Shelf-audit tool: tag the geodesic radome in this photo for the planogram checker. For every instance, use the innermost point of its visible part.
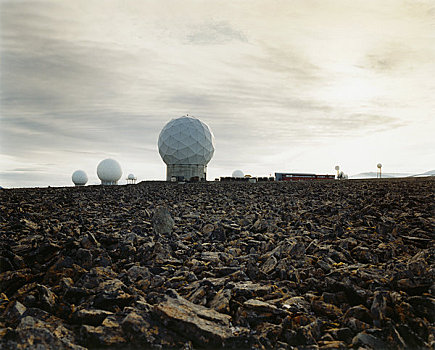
(186, 140)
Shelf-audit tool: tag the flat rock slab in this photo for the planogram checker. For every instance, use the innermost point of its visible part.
(198, 323)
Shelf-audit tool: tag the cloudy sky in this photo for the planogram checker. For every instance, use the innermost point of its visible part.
(284, 85)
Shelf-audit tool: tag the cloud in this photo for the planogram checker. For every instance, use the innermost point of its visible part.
(215, 33)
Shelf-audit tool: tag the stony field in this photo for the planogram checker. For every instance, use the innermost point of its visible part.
(307, 265)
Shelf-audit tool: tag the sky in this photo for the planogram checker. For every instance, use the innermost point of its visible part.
(285, 86)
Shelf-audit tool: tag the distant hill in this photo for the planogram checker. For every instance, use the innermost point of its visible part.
(373, 175)
(427, 173)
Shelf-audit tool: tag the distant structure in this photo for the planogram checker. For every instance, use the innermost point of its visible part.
(380, 169)
(342, 176)
(237, 173)
(79, 178)
(109, 171)
(131, 179)
(337, 168)
(301, 177)
(186, 145)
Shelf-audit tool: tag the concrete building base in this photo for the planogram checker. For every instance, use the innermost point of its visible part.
(186, 171)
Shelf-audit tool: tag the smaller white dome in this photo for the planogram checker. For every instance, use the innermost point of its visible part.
(238, 173)
(130, 177)
(79, 178)
(109, 171)
(337, 168)
(379, 165)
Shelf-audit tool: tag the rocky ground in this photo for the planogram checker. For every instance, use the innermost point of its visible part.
(308, 265)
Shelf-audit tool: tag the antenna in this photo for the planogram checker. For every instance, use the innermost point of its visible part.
(338, 169)
(380, 170)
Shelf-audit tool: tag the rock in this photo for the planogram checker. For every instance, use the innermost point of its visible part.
(221, 301)
(138, 328)
(111, 295)
(269, 265)
(378, 308)
(108, 334)
(248, 289)
(93, 317)
(261, 306)
(137, 273)
(32, 331)
(200, 324)
(46, 298)
(424, 306)
(162, 221)
(368, 340)
(296, 305)
(86, 243)
(14, 312)
(255, 311)
(325, 309)
(359, 312)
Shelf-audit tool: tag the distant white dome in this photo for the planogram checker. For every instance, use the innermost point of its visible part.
(109, 171)
(337, 168)
(238, 173)
(186, 141)
(379, 165)
(79, 178)
(130, 177)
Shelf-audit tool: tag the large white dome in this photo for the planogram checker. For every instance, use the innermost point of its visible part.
(238, 173)
(79, 178)
(187, 141)
(109, 171)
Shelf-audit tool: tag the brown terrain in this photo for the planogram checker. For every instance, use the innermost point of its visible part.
(307, 265)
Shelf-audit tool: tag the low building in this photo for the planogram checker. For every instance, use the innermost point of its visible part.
(301, 177)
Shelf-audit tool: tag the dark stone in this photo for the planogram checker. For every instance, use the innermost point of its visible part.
(162, 221)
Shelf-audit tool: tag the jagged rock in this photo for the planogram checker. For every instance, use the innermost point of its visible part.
(325, 309)
(359, 312)
(248, 289)
(136, 326)
(162, 221)
(32, 331)
(379, 307)
(92, 317)
(296, 305)
(14, 312)
(46, 298)
(269, 265)
(112, 294)
(200, 324)
(221, 301)
(368, 340)
(108, 334)
(138, 272)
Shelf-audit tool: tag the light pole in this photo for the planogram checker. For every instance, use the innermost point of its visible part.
(380, 169)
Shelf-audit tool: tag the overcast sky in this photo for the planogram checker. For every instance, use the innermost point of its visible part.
(284, 85)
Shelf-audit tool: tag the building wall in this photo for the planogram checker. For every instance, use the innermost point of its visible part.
(187, 171)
